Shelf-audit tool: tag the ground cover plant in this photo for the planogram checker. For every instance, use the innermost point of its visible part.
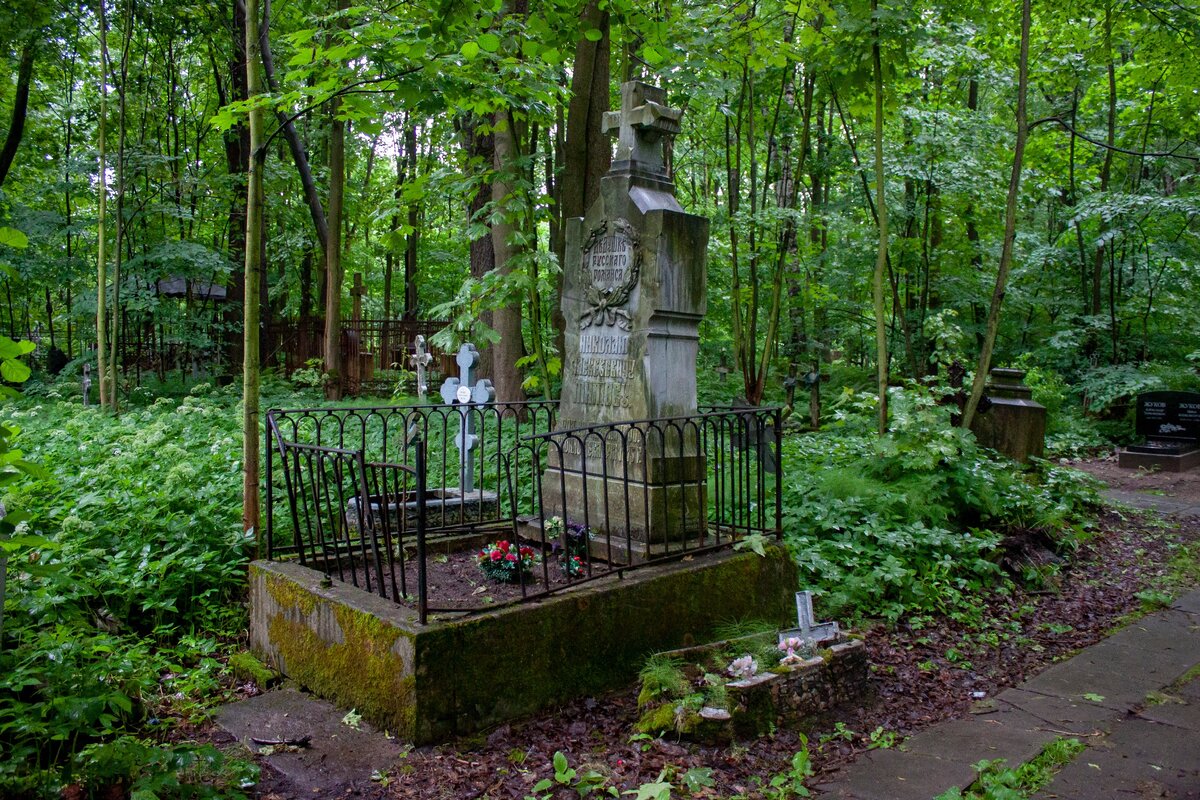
(125, 596)
(124, 614)
(922, 519)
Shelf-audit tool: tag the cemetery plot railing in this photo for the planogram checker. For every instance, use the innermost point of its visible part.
(387, 435)
(340, 507)
(613, 498)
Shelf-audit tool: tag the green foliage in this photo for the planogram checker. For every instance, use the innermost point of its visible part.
(131, 546)
(149, 770)
(913, 520)
(662, 676)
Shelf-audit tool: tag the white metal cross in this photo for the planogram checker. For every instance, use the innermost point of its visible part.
(420, 360)
(466, 392)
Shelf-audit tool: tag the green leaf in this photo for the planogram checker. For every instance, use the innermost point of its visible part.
(652, 55)
(469, 49)
(14, 371)
(1092, 697)
(593, 34)
(13, 238)
(489, 42)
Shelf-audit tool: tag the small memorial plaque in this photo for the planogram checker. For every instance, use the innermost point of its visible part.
(1169, 415)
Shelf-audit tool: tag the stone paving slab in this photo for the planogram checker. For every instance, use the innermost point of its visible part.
(337, 754)
(1163, 505)
(1059, 715)
(1153, 754)
(1011, 734)
(1115, 688)
(895, 775)
(1189, 603)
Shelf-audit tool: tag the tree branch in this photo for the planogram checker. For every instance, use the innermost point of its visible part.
(1144, 154)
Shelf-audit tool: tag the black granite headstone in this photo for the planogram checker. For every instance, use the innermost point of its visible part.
(1174, 416)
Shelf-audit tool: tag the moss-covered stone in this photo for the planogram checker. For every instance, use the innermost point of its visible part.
(656, 720)
(448, 678)
(246, 667)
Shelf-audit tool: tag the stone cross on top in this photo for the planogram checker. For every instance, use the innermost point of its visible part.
(809, 631)
(464, 392)
(420, 360)
(641, 123)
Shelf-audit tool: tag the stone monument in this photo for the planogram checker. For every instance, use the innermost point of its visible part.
(1012, 422)
(634, 292)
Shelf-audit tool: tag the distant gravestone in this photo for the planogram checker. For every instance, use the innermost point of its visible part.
(634, 294)
(1011, 421)
(1169, 422)
(420, 361)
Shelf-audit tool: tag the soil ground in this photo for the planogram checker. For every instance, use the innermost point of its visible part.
(926, 669)
(1183, 486)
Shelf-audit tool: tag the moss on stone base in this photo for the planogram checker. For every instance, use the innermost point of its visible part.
(246, 667)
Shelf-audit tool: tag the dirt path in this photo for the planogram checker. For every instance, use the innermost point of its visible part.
(1181, 486)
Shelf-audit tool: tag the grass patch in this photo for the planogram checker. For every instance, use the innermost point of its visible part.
(997, 781)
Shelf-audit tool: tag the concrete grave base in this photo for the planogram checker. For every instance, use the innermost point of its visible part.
(1130, 458)
(428, 683)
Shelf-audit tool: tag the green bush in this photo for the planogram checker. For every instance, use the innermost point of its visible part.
(913, 520)
(126, 573)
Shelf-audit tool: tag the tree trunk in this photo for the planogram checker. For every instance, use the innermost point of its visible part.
(881, 347)
(333, 252)
(114, 357)
(506, 321)
(299, 154)
(101, 220)
(251, 367)
(16, 128)
(410, 248)
(481, 148)
(587, 153)
(1010, 226)
(237, 164)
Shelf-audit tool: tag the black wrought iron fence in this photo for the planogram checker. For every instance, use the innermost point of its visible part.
(387, 434)
(570, 506)
(629, 494)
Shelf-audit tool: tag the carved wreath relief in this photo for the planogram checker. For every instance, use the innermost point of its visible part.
(611, 262)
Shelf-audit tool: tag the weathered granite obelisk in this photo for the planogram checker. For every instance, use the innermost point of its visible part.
(633, 296)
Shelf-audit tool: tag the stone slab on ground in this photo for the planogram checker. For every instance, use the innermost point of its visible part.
(1007, 733)
(1189, 604)
(337, 755)
(1143, 757)
(1060, 715)
(894, 775)
(1163, 505)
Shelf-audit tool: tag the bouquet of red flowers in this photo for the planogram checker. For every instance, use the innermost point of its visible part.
(573, 566)
(506, 562)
